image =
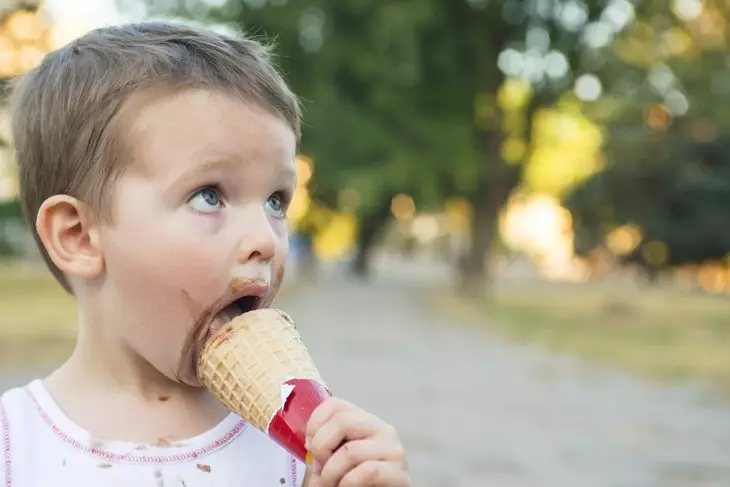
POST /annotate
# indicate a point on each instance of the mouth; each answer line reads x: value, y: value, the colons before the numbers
x: 235, y: 308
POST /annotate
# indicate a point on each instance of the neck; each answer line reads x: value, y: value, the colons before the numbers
x: 104, y: 380
x: 100, y: 362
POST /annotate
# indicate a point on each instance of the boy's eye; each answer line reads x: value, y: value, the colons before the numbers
x: 206, y: 200
x: 276, y: 205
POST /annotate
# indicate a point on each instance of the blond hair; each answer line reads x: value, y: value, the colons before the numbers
x: 65, y: 109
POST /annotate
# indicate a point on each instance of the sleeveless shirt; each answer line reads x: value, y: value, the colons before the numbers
x: 41, y: 446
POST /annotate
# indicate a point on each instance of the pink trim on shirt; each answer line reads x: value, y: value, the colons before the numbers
x: 7, y: 447
x: 131, y: 457
x: 293, y: 471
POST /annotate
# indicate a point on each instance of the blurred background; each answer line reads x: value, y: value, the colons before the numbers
x: 512, y: 225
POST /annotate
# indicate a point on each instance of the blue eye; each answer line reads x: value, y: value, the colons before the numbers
x: 276, y: 205
x: 206, y: 200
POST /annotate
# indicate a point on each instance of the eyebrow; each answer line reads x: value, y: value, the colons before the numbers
x: 213, y: 166
x: 194, y: 173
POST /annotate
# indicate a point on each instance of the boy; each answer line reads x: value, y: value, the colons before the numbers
x: 156, y: 164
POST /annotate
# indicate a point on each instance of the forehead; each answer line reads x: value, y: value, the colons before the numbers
x: 168, y: 132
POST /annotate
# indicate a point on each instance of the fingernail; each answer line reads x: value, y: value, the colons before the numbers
x: 308, y: 443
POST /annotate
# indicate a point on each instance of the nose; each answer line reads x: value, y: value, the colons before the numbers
x: 258, y: 241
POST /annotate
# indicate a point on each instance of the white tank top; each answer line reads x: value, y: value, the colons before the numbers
x: 41, y: 446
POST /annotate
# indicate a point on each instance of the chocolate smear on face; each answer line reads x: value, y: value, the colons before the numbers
x: 279, y: 275
x: 278, y: 279
x: 193, y: 306
x: 240, y: 285
x: 193, y: 344
x: 198, y: 333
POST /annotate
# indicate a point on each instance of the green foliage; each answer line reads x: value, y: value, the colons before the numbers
x: 11, y: 210
x: 674, y: 189
x: 11, y: 216
x: 671, y: 181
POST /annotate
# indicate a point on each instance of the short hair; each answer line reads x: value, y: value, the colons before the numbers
x: 65, y: 110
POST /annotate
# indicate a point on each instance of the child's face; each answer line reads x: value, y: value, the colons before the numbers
x: 198, y: 220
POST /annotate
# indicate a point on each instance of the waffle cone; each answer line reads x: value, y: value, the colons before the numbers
x: 246, y: 363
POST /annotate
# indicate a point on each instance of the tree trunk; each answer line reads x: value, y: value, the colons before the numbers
x: 473, y: 267
x: 370, y: 226
x: 492, y: 191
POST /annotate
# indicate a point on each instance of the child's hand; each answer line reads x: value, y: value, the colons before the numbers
x: 367, y: 451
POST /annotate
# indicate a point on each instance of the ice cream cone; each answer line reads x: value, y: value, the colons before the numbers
x: 258, y: 367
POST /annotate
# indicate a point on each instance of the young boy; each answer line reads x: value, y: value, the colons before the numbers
x: 156, y: 164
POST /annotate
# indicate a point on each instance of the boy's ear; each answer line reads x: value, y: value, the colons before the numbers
x: 69, y: 232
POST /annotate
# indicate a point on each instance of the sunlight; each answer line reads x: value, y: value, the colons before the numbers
x: 540, y: 227
x: 74, y: 18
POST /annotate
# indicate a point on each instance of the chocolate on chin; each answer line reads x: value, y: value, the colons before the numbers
x: 258, y: 367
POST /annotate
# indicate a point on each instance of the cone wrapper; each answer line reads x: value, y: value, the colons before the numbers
x: 289, y: 423
x: 258, y: 367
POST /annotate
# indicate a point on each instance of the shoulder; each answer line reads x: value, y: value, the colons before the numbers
x: 17, y: 406
x: 16, y: 429
x: 14, y: 409
x: 6, y: 398
x: 23, y: 426
x: 12, y: 395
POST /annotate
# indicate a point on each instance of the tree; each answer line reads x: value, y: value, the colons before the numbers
x: 668, y: 173
x: 675, y: 191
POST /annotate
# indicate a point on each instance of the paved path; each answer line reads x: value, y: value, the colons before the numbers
x: 474, y: 411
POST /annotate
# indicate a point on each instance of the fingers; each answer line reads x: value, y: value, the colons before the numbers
x: 342, y: 427
x: 324, y: 412
x: 353, y: 448
x: 345, y: 459
x: 375, y: 473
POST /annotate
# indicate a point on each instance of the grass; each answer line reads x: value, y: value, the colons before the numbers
x: 658, y: 333
x: 37, y: 317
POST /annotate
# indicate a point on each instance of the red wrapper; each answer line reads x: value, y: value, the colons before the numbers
x: 289, y: 424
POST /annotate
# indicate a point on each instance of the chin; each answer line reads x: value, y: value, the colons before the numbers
x: 187, y: 377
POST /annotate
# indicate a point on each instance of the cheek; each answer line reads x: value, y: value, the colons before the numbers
x: 166, y: 242
x: 151, y: 264
x: 159, y: 256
